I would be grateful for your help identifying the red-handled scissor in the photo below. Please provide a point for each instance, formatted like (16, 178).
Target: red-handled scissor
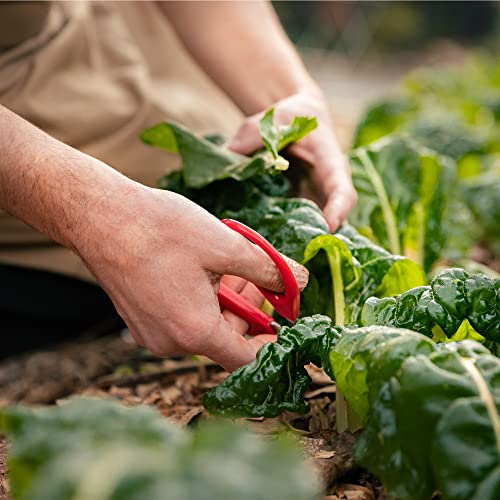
(287, 304)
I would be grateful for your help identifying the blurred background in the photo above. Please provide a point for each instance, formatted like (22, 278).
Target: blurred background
(359, 51)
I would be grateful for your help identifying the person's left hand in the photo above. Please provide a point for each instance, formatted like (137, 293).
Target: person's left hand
(330, 171)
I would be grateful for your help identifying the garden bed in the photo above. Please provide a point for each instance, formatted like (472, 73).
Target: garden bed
(113, 367)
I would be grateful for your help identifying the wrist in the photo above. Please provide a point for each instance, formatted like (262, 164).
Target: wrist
(108, 212)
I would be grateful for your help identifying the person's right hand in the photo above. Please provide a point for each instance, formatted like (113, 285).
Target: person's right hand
(161, 263)
(159, 256)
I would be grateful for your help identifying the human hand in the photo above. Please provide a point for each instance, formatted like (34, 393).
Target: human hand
(162, 268)
(330, 171)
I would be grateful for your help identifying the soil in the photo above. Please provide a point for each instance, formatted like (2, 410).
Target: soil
(115, 367)
(4, 484)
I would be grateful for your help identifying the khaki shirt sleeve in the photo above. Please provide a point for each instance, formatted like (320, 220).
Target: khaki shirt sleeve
(94, 77)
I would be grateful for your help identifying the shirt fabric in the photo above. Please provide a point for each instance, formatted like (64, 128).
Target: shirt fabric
(93, 75)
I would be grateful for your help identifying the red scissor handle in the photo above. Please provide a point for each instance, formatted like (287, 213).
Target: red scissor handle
(287, 304)
(259, 321)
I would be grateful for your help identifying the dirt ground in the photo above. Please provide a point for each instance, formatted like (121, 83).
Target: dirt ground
(114, 367)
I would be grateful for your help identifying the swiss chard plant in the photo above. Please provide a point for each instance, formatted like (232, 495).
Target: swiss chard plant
(426, 394)
(455, 305)
(346, 269)
(426, 407)
(455, 113)
(430, 412)
(260, 198)
(99, 450)
(404, 197)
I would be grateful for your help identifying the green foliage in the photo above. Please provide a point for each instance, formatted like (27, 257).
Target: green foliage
(434, 424)
(482, 194)
(440, 309)
(404, 192)
(276, 380)
(99, 450)
(457, 114)
(430, 410)
(367, 357)
(277, 138)
(354, 270)
(228, 195)
(204, 162)
(423, 404)
(288, 223)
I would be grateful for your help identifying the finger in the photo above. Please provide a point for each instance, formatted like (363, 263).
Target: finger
(333, 176)
(338, 206)
(227, 348)
(234, 282)
(251, 293)
(247, 139)
(250, 262)
(259, 340)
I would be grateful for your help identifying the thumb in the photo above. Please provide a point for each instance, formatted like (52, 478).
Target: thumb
(247, 139)
(254, 265)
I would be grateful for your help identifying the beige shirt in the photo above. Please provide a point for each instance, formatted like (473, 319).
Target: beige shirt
(94, 76)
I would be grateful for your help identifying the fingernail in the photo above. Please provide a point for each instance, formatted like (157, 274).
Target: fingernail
(299, 271)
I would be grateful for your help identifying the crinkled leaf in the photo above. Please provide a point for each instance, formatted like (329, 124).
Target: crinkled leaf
(467, 439)
(404, 192)
(365, 358)
(94, 449)
(401, 430)
(453, 296)
(276, 380)
(288, 224)
(221, 197)
(354, 270)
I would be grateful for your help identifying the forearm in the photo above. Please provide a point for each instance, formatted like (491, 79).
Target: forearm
(243, 48)
(51, 186)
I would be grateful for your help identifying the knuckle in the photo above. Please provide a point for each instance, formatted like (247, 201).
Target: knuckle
(275, 281)
(191, 340)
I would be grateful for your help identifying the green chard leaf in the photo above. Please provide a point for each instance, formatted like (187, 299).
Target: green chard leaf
(206, 160)
(227, 196)
(454, 296)
(289, 224)
(383, 118)
(482, 195)
(203, 161)
(93, 449)
(366, 357)
(354, 270)
(434, 425)
(275, 139)
(404, 191)
(276, 380)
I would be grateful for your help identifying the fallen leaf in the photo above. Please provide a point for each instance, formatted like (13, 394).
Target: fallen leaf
(143, 390)
(170, 394)
(329, 389)
(188, 417)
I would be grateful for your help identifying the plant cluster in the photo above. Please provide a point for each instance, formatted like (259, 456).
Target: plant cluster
(425, 381)
(98, 450)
